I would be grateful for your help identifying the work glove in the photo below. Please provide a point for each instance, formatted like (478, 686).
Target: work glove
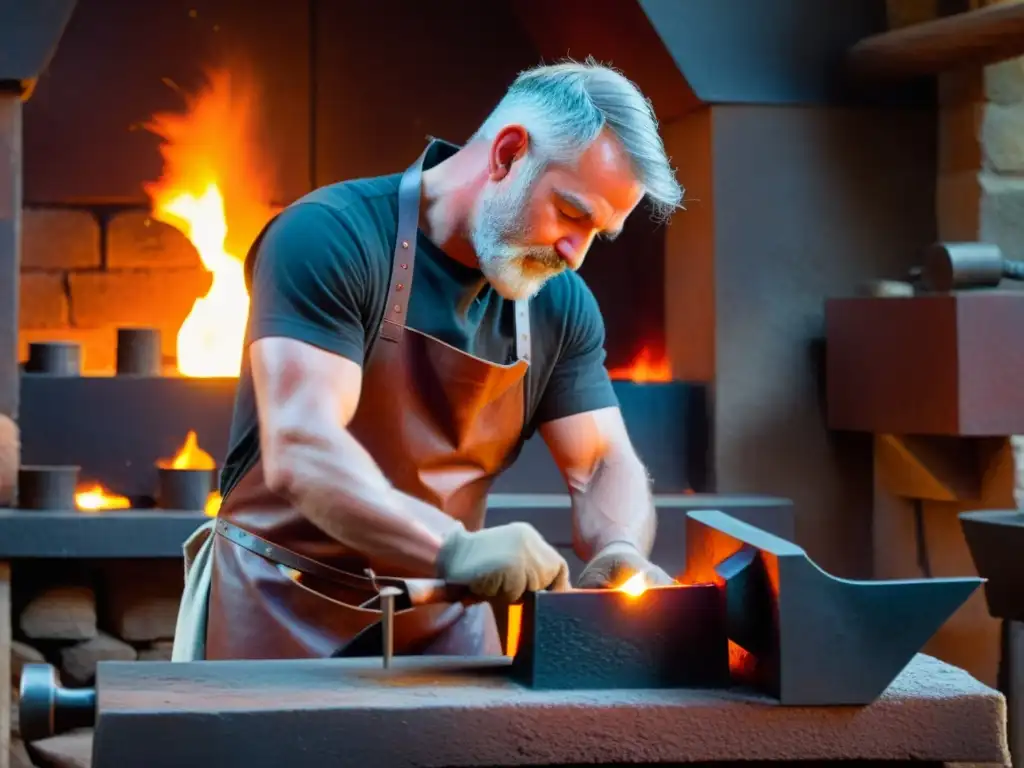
(501, 564)
(616, 563)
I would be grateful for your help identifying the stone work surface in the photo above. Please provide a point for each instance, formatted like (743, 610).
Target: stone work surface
(114, 611)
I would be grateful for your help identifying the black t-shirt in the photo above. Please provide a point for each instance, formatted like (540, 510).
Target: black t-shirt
(320, 275)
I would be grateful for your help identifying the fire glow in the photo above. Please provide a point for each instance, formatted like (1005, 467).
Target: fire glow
(646, 368)
(213, 191)
(96, 498)
(191, 456)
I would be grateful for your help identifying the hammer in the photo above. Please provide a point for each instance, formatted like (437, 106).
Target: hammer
(952, 266)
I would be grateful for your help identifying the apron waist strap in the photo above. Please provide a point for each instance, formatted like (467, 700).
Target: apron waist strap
(369, 582)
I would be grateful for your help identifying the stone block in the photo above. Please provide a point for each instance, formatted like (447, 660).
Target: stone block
(15, 710)
(1002, 138)
(1002, 213)
(143, 599)
(69, 750)
(959, 137)
(99, 346)
(53, 238)
(1004, 81)
(78, 662)
(135, 240)
(10, 458)
(957, 206)
(42, 301)
(22, 654)
(19, 755)
(156, 298)
(60, 613)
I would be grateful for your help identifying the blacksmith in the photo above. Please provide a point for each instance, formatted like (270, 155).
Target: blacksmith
(406, 334)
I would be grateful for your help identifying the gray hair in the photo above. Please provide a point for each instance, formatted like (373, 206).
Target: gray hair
(565, 107)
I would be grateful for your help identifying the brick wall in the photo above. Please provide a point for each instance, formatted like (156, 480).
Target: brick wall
(84, 273)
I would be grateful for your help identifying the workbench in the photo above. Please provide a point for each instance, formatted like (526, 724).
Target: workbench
(441, 713)
(156, 534)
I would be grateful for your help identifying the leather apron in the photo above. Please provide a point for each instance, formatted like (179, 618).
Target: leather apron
(441, 424)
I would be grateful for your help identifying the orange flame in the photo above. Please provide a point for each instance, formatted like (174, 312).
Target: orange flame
(213, 504)
(213, 191)
(515, 628)
(646, 367)
(189, 456)
(95, 498)
(635, 585)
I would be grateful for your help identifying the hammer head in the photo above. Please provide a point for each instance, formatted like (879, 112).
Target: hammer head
(952, 266)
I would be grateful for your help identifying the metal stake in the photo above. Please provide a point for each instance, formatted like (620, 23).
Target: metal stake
(387, 622)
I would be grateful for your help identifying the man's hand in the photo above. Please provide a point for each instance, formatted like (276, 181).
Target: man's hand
(502, 563)
(616, 563)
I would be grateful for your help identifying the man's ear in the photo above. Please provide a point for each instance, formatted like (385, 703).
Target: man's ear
(508, 146)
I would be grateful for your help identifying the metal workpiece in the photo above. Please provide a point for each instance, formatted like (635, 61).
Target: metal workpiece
(802, 635)
(666, 637)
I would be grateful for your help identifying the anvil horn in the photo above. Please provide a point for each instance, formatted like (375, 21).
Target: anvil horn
(811, 638)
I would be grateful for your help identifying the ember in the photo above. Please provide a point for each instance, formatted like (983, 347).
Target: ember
(95, 498)
(212, 190)
(647, 367)
(635, 585)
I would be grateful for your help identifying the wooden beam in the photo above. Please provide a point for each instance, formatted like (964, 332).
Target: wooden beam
(973, 38)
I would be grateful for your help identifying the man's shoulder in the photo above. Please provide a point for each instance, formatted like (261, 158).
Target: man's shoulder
(566, 298)
(368, 203)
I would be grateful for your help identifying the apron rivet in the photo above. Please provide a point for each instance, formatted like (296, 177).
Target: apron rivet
(397, 308)
(405, 243)
(405, 266)
(399, 287)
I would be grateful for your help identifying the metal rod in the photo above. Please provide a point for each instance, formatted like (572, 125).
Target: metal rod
(387, 622)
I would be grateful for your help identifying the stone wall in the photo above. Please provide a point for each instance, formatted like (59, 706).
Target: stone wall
(85, 272)
(979, 196)
(74, 616)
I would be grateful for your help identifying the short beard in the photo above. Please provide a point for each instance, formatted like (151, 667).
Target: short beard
(514, 270)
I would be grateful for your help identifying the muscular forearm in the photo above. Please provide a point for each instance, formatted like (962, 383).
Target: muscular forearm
(332, 479)
(613, 504)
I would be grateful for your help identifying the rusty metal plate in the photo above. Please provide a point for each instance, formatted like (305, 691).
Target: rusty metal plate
(667, 637)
